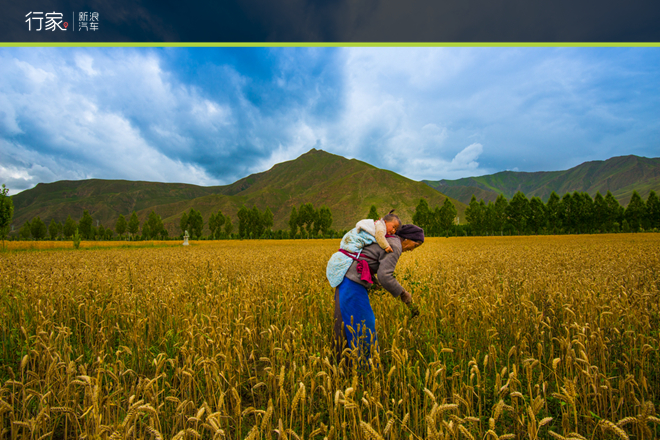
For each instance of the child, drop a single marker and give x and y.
(352, 244)
(378, 228)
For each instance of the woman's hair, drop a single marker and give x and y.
(390, 217)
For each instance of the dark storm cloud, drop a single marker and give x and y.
(346, 21)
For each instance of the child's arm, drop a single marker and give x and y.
(380, 236)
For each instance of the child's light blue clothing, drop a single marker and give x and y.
(339, 263)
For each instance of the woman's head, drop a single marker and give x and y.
(412, 236)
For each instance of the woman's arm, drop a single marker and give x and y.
(387, 264)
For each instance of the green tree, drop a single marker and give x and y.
(373, 213)
(537, 216)
(293, 222)
(155, 225)
(552, 212)
(653, 211)
(229, 227)
(306, 215)
(109, 234)
(447, 215)
(219, 222)
(85, 225)
(133, 225)
(422, 215)
(635, 212)
(474, 215)
(316, 227)
(70, 227)
(625, 227)
(613, 212)
(325, 219)
(599, 213)
(268, 219)
(567, 213)
(256, 223)
(489, 218)
(195, 222)
(518, 212)
(183, 223)
(212, 225)
(26, 231)
(499, 214)
(6, 213)
(120, 225)
(243, 222)
(433, 226)
(146, 230)
(38, 228)
(101, 233)
(583, 212)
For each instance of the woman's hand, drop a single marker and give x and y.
(406, 297)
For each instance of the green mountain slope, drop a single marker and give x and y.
(620, 175)
(347, 187)
(105, 199)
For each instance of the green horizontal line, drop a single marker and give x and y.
(342, 44)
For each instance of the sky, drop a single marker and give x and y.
(212, 115)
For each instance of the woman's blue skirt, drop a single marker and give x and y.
(357, 316)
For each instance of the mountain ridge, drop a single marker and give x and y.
(347, 186)
(621, 175)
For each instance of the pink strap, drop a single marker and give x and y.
(362, 266)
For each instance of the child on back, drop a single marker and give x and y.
(365, 233)
(351, 247)
(379, 228)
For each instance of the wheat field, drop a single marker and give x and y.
(518, 337)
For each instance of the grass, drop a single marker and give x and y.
(518, 337)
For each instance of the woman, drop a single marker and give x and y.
(355, 322)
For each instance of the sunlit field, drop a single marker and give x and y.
(68, 244)
(518, 337)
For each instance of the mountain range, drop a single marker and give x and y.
(621, 175)
(347, 186)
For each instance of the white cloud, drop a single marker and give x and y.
(397, 113)
(86, 64)
(75, 124)
(467, 158)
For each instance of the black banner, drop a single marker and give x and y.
(342, 21)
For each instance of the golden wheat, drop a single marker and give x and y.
(518, 337)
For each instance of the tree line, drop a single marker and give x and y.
(439, 221)
(152, 228)
(305, 222)
(574, 213)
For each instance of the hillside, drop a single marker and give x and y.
(347, 187)
(620, 175)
